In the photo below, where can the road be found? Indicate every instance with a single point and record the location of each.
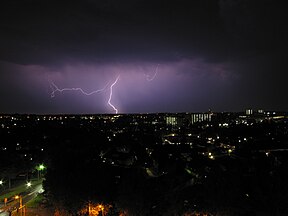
(25, 196)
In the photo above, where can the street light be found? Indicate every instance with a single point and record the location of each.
(28, 184)
(101, 207)
(1, 185)
(21, 206)
(20, 200)
(40, 168)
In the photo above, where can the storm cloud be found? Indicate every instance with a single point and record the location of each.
(225, 55)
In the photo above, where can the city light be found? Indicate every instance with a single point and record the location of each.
(96, 209)
(202, 153)
(41, 167)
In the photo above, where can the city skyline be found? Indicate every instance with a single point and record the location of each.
(142, 56)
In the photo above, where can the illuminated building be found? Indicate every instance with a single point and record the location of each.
(249, 111)
(200, 117)
(171, 120)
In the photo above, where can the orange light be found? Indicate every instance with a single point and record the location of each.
(101, 207)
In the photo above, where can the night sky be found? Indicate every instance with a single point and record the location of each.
(155, 56)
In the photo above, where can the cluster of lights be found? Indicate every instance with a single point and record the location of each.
(95, 210)
(211, 156)
(224, 125)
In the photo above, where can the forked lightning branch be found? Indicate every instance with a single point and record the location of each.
(56, 89)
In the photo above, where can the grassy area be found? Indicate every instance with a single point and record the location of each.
(34, 207)
(38, 212)
(34, 203)
(11, 193)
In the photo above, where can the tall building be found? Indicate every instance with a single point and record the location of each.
(248, 111)
(171, 120)
(200, 117)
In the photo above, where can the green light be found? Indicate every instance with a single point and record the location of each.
(41, 167)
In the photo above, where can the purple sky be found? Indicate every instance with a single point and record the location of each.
(170, 56)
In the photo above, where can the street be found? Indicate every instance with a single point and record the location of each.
(22, 199)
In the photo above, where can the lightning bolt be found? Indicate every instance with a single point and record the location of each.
(56, 89)
(111, 94)
(149, 78)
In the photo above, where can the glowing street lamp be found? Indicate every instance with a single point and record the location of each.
(101, 207)
(21, 206)
(28, 184)
(40, 168)
(1, 185)
(20, 200)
